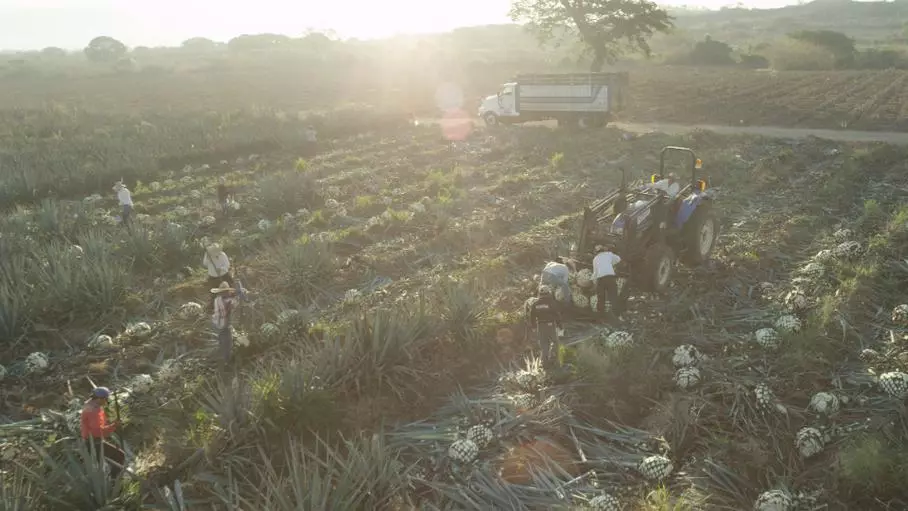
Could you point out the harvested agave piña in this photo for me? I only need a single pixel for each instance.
(655, 468)
(190, 310)
(480, 435)
(847, 250)
(809, 441)
(796, 301)
(774, 500)
(686, 355)
(900, 314)
(463, 451)
(869, 355)
(767, 338)
(585, 278)
(788, 324)
(895, 384)
(824, 255)
(619, 339)
(36, 363)
(269, 329)
(842, 235)
(764, 396)
(687, 377)
(824, 403)
(604, 502)
(580, 300)
(813, 270)
(101, 342)
(522, 401)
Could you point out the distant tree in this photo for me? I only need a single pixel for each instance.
(248, 42)
(710, 52)
(837, 43)
(53, 52)
(105, 49)
(199, 44)
(608, 28)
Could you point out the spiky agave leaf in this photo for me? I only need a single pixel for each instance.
(17, 493)
(78, 481)
(727, 489)
(363, 473)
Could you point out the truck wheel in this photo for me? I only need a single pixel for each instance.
(490, 119)
(591, 121)
(699, 236)
(658, 268)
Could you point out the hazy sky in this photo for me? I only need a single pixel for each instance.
(32, 24)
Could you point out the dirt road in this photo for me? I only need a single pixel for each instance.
(888, 137)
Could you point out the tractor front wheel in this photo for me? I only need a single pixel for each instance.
(658, 268)
(700, 233)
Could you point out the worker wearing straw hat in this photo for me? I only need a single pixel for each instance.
(95, 431)
(125, 199)
(225, 302)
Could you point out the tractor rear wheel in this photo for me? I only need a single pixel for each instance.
(658, 268)
(700, 233)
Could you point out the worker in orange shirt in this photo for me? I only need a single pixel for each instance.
(95, 431)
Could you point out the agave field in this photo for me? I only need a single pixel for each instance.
(383, 361)
(855, 100)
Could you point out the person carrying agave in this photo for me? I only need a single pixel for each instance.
(224, 194)
(543, 315)
(556, 275)
(217, 263)
(124, 197)
(95, 430)
(606, 280)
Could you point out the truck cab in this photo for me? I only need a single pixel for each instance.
(501, 106)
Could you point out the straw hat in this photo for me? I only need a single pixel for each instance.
(223, 288)
(214, 247)
(118, 185)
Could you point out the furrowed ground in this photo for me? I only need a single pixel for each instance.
(389, 272)
(853, 100)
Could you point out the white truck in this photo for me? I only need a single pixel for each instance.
(576, 99)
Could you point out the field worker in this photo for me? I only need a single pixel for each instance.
(224, 194)
(543, 310)
(311, 134)
(556, 275)
(125, 199)
(669, 185)
(224, 303)
(606, 281)
(217, 263)
(95, 431)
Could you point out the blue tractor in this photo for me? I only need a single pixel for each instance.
(653, 226)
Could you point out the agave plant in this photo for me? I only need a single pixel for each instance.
(463, 310)
(78, 481)
(362, 473)
(17, 493)
(378, 350)
(298, 269)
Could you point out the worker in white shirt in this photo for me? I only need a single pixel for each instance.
(606, 280)
(125, 199)
(217, 263)
(556, 275)
(669, 185)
